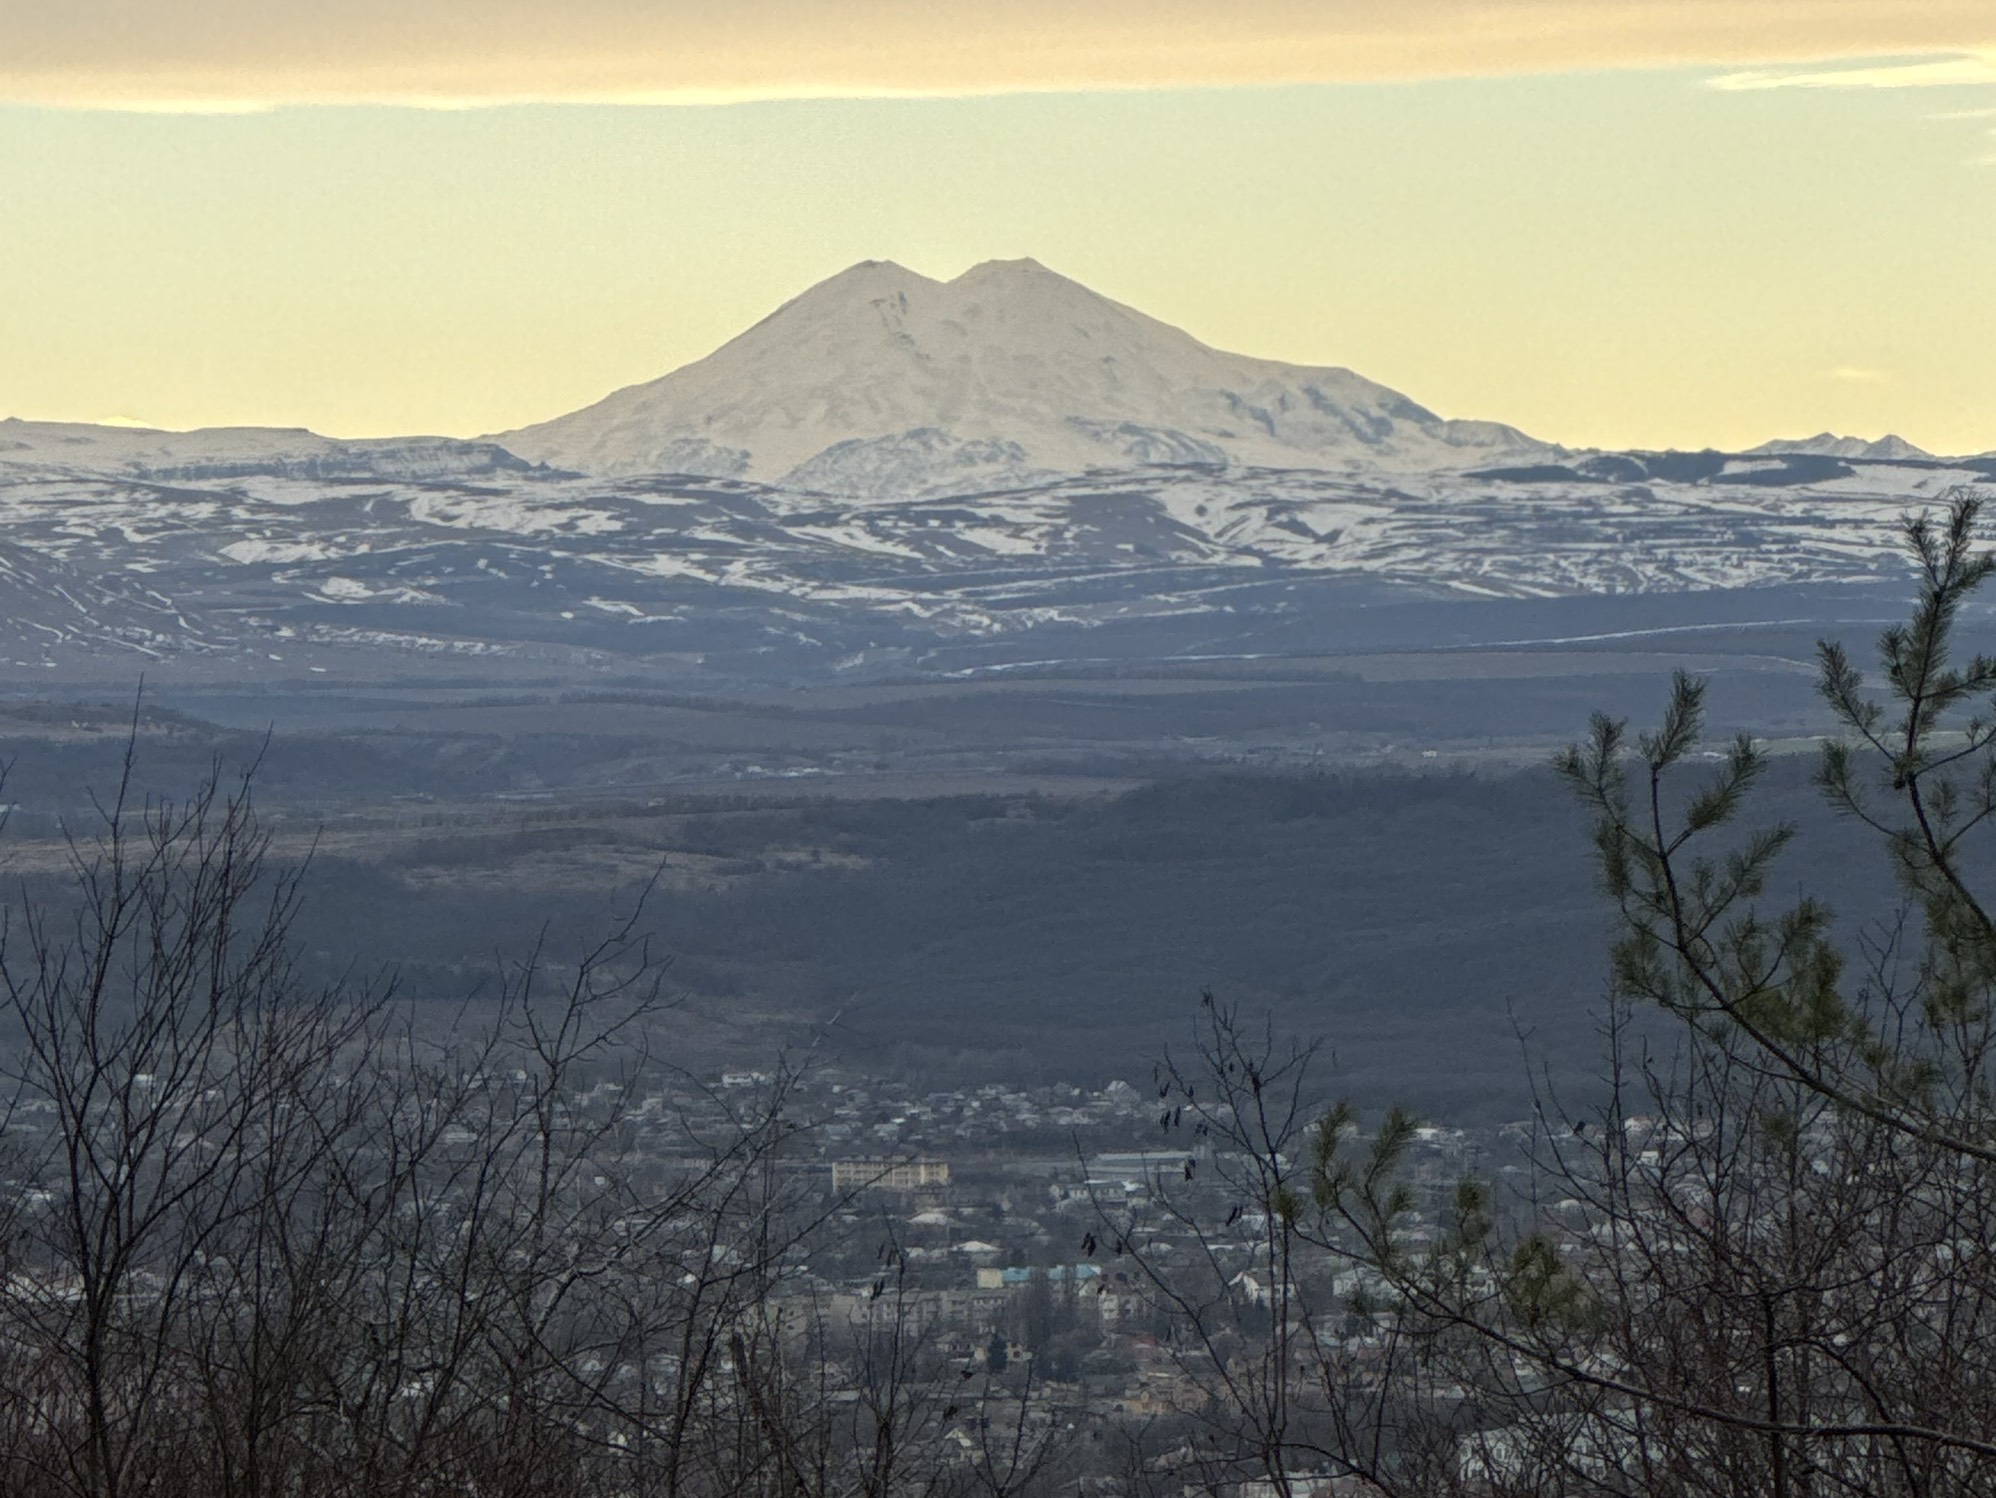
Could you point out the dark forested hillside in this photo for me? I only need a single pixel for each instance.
(1419, 919)
(1419, 922)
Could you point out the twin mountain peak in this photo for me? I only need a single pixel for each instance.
(881, 380)
(883, 383)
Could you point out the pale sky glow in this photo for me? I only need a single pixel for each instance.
(1613, 222)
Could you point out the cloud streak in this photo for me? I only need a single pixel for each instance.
(236, 54)
(1942, 72)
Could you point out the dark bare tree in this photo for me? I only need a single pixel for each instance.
(267, 1237)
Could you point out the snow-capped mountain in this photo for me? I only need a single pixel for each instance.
(1830, 445)
(893, 474)
(883, 383)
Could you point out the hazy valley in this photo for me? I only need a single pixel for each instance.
(873, 688)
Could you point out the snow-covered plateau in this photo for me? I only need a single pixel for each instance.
(513, 561)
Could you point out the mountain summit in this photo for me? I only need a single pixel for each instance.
(883, 382)
(1891, 447)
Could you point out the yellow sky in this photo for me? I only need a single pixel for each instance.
(1607, 222)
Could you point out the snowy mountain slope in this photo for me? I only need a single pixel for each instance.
(232, 452)
(886, 470)
(733, 577)
(50, 609)
(884, 383)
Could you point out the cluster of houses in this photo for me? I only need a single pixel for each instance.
(1031, 1228)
